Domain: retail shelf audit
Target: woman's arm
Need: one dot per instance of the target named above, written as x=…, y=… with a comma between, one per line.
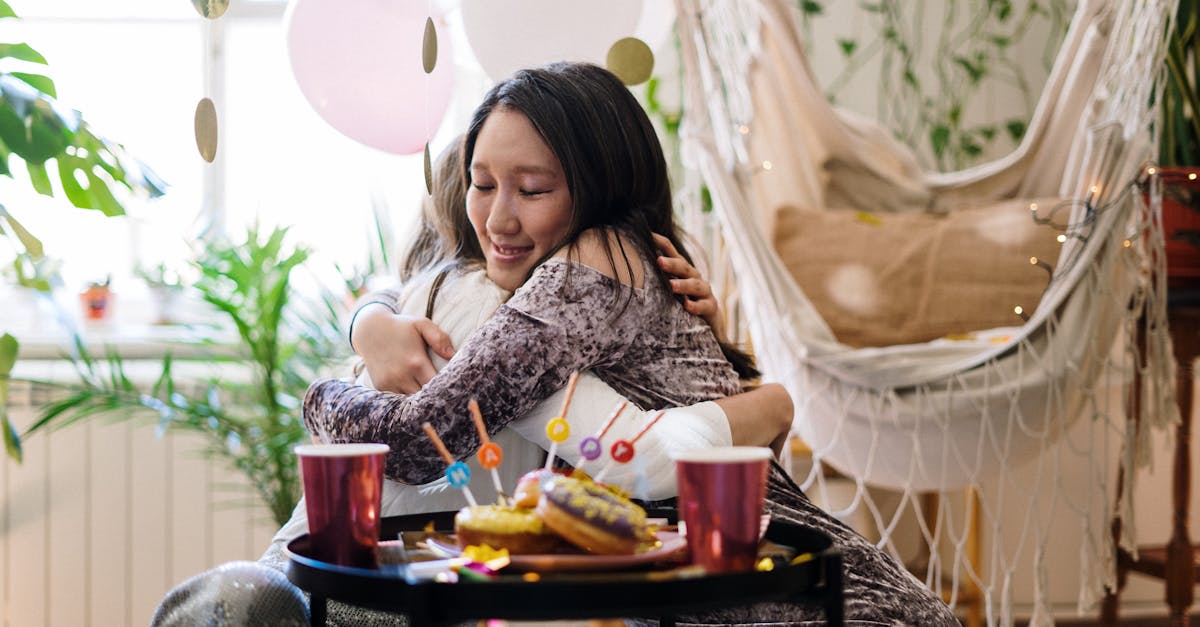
x=521, y=355
x=761, y=417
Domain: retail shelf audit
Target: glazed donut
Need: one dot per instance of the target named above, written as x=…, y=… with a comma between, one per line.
x=592, y=517
x=517, y=529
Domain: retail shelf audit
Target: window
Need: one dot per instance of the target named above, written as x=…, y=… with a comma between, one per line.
x=136, y=70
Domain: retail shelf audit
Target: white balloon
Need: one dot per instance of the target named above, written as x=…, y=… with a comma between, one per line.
x=508, y=35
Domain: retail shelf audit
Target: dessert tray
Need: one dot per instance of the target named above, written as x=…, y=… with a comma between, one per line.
x=797, y=564
x=670, y=548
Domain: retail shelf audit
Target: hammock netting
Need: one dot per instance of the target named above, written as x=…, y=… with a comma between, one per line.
x=999, y=411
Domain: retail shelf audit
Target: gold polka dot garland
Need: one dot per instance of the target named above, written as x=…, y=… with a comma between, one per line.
x=631, y=60
x=212, y=9
x=205, y=125
x=428, y=171
x=429, y=46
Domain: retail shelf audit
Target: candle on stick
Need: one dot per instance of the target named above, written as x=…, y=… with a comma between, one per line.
x=591, y=447
x=557, y=429
x=622, y=450
x=490, y=455
x=457, y=473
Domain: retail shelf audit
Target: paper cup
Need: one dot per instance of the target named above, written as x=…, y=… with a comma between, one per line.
x=343, y=485
x=721, y=494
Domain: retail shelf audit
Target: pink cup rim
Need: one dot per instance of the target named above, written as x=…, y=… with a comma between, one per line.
x=348, y=449
x=724, y=455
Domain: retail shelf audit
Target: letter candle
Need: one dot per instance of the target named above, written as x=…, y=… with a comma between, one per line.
x=590, y=448
x=557, y=429
x=457, y=473
x=622, y=450
x=489, y=454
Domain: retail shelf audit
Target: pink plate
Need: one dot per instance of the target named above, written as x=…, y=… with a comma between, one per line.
x=672, y=546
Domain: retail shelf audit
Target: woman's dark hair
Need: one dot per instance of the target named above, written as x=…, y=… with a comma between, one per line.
x=610, y=155
x=444, y=233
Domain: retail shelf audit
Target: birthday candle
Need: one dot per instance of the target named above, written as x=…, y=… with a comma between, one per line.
x=622, y=450
x=557, y=429
x=590, y=448
x=489, y=454
x=457, y=473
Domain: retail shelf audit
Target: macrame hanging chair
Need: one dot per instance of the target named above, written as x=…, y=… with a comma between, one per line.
x=965, y=410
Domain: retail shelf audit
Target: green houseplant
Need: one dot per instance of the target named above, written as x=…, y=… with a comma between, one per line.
x=250, y=422
x=1179, y=149
x=53, y=143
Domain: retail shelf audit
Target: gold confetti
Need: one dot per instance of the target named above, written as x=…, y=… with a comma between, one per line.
x=867, y=218
x=484, y=553
x=802, y=558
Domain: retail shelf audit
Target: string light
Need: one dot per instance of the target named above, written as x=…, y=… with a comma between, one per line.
x=1034, y=261
x=1061, y=238
x=1127, y=243
x=766, y=165
x=1191, y=176
x=1151, y=170
x=743, y=129
x=1020, y=311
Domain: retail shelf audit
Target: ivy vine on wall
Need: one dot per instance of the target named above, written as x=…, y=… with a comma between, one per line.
x=956, y=80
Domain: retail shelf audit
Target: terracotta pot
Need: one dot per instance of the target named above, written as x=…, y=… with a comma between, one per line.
x=96, y=300
x=1181, y=212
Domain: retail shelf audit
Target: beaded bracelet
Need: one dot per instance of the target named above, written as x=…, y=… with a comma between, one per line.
x=350, y=332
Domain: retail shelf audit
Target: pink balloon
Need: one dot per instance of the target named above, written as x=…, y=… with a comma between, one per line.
x=358, y=63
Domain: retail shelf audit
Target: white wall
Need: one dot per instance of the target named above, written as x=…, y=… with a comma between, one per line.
x=102, y=519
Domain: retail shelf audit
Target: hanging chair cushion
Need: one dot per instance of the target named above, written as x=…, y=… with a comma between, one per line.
x=903, y=278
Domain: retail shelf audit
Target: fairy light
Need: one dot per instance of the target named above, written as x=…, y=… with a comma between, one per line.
x=1127, y=243
x=1033, y=207
x=1061, y=238
x=1151, y=170
x=1191, y=176
x=1034, y=261
x=1020, y=311
x=766, y=165
x=743, y=129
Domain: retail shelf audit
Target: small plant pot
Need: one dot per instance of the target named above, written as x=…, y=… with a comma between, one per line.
x=1181, y=219
x=97, y=302
x=166, y=303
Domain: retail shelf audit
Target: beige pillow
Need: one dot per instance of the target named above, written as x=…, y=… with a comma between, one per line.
x=902, y=278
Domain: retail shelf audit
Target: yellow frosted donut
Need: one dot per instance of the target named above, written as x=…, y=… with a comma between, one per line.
x=517, y=529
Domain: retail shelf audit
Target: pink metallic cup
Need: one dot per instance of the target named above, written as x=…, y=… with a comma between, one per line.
x=343, y=485
x=721, y=493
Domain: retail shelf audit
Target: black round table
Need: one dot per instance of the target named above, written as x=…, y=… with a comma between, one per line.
x=656, y=594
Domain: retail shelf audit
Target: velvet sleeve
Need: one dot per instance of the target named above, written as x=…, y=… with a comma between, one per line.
x=520, y=356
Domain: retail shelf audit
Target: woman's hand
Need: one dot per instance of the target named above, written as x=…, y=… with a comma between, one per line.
x=393, y=348
x=688, y=282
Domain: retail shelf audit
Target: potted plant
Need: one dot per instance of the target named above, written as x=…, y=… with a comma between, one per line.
x=166, y=287
x=1179, y=154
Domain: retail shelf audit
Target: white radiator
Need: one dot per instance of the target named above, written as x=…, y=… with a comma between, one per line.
x=104, y=517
